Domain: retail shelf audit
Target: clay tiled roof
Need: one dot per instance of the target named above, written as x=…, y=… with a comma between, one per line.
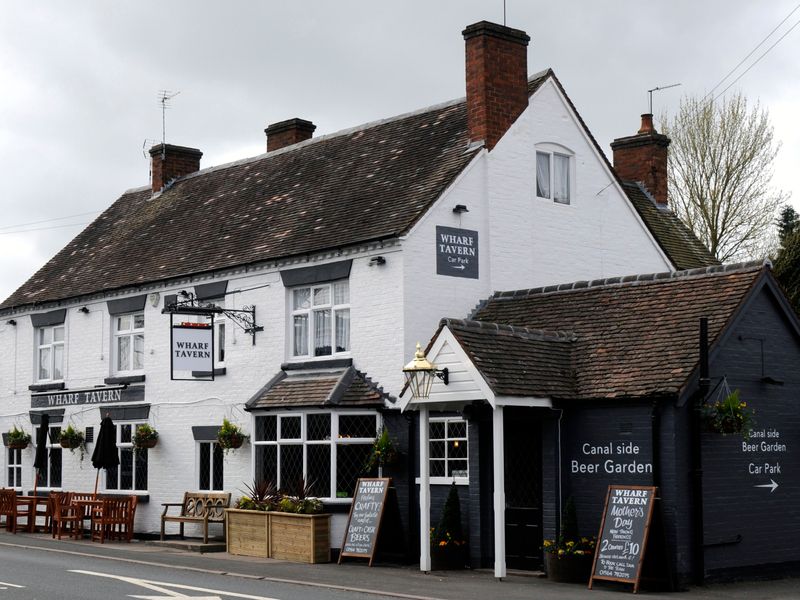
x=342, y=387
x=680, y=245
x=369, y=183
x=634, y=336
x=517, y=360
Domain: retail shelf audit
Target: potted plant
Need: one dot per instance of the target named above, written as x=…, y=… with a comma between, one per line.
x=448, y=544
x=270, y=524
x=568, y=558
x=230, y=436
x=17, y=439
x=383, y=453
x=728, y=415
x=145, y=437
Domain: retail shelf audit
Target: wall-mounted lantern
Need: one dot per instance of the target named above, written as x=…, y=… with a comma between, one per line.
x=420, y=374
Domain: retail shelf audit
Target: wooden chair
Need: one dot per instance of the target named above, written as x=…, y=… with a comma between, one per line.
x=64, y=513
x=85, y=512
x=8, y=508
x=113, y=519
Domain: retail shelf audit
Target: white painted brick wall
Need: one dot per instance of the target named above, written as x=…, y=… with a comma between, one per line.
x=524, y=242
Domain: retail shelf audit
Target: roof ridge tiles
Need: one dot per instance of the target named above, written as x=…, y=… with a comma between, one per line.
x=515, y=330
x=632, y=280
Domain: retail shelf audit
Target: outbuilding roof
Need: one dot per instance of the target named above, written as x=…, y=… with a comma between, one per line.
x=633, y=336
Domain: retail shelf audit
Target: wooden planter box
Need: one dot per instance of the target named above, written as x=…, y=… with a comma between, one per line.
x=284, y=536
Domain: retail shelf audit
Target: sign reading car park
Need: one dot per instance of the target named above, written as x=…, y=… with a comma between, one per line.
x=456, y=252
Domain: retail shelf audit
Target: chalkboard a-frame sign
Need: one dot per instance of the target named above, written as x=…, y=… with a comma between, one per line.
x=364, y=521
x=623, y=534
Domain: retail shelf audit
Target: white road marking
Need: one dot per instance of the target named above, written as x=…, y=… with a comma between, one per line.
x=3, y=583
x=158, y=586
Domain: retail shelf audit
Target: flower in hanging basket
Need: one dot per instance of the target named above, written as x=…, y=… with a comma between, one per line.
x=230, y=436
x=73, y=439
x=728, y=415
x=383, y=452
x=18, y=439
x=145, y=437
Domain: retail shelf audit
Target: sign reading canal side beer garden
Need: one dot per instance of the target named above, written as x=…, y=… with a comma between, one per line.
x=456, y=252
x=364, y=521
x=193, y=350
x=623, y=534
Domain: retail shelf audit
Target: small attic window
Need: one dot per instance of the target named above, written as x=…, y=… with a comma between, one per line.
x=554, y=166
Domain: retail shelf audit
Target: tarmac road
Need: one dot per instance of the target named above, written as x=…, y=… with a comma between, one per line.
x=36, y=567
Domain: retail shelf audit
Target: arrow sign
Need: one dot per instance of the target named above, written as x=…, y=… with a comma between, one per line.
x=462, y=267
x=771, y=485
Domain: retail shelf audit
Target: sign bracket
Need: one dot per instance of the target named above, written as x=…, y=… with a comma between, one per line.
x=244, y=318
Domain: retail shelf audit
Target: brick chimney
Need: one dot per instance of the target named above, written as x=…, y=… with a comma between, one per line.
x=171, y=162
x=497, y=79
x=643, y=157
x=286, y=133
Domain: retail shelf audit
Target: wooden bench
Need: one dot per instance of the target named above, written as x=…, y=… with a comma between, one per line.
x=198, y=507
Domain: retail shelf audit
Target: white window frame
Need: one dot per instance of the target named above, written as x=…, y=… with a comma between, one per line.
x=309, y=313
x=53, y=443
x=14, y=461
x=52, y=345
x=220, y=330
x=334, y=441
x=131, y=333
x=120, y=445
x=459, y=480
x=551, y=152
x=212, y=444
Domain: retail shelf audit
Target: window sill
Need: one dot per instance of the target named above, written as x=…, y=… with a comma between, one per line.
x=445, y=480
x=46, y=387
x=120, y=379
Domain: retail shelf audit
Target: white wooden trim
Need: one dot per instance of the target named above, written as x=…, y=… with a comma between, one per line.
x=439, y=392
x=499, y=493
x=424, y=493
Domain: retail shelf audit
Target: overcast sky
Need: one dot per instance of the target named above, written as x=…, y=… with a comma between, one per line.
x=79, y=82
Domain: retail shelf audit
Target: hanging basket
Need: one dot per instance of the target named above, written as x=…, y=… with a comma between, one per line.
x=147, y=444
x=71, y=444
x=235, y=441
x=17, y=445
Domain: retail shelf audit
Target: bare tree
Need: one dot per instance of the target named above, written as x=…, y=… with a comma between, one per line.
x=720, y=171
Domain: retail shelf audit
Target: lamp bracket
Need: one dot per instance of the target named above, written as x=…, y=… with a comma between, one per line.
x=443, y=374
x=244, y=318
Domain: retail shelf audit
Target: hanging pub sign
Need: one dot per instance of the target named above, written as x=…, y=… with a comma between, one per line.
x=364, y=521
x=191, y=349
x=623, y=534
x=456, y=252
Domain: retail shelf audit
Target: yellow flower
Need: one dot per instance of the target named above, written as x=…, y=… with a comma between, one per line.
x=561, y=552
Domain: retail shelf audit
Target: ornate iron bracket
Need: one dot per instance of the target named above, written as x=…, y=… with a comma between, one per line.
x=245, y=317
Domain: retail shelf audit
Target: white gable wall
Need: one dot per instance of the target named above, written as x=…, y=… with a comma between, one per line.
x=540, y=242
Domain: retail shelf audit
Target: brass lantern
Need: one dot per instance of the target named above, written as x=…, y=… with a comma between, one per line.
x=420, y=373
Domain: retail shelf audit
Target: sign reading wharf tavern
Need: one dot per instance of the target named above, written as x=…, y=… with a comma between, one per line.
x=456, y=252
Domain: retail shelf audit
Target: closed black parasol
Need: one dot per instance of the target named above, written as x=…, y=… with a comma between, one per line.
x=40, y=461
x=105, y=454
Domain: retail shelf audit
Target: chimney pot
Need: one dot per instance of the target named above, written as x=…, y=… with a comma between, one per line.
x=170, y=162
x=286, y=133
x=497, y=79
x=643, y=157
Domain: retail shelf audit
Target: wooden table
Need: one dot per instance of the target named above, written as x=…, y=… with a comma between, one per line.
x=86, y=507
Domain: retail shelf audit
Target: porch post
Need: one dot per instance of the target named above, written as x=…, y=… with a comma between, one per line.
x=499, y=494
x=424, y=493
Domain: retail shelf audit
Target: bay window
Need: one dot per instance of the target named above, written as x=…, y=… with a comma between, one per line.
x=325, y=452
x=321, y=319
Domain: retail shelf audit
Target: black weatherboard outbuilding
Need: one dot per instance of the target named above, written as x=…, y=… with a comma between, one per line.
x=604, y=382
